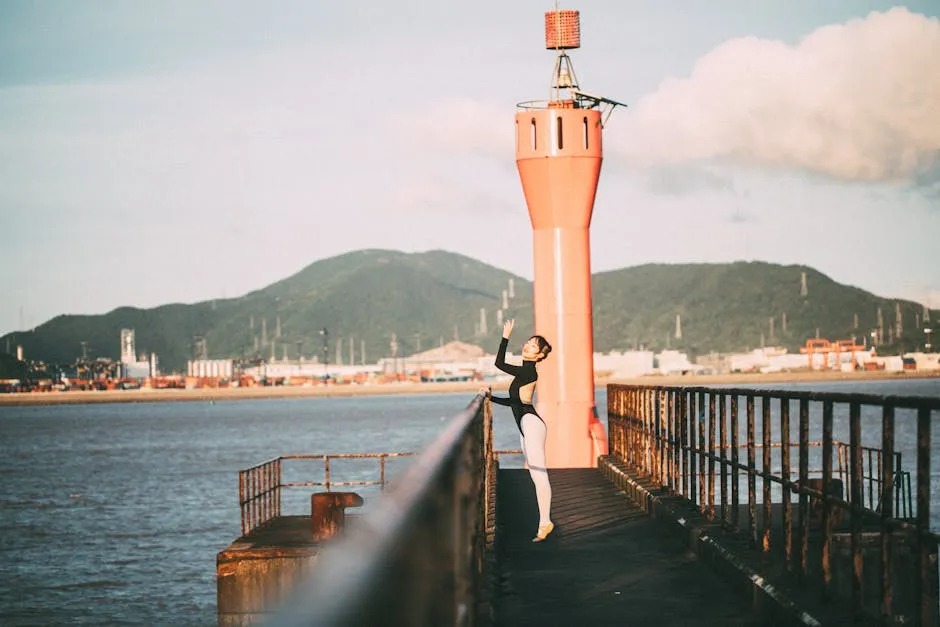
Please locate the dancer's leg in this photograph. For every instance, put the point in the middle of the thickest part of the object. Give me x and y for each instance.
(533, 430)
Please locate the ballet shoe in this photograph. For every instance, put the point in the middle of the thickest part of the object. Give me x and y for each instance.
(543, 532)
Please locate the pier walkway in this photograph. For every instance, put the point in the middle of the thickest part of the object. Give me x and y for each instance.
(606, 563)
(712, 507)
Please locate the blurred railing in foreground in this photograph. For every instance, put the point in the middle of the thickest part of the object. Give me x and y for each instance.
(684, 438)
(419, 556)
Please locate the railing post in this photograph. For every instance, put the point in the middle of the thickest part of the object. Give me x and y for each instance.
(280, 482)
(855, 442)
(688, 437)
(735, 480)
(887, 512)
(751, 477)
(637, 416)
(825, 503)
(711, 453)
(253, 490)
(672, 460)
(927, 549)
(620, 409)
(688, 447)
(700, 427)
(722, 428)
(269, 491)
(264, 496)
(326, 471)
(490, 475)
(648, 440)
(765, 481)
(804, 478)
(787, 478)
(660, 449)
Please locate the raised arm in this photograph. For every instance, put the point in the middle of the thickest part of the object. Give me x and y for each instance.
(501, 359)
(501, 353)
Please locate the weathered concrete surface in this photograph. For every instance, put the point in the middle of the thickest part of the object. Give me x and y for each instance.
(256, 573)
(606, 563)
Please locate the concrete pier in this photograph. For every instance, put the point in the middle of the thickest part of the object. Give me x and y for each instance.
(259, 571)
(256, 573)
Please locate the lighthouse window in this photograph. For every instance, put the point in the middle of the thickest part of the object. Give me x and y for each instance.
(561, 143)
(534, 141)
(585, 133)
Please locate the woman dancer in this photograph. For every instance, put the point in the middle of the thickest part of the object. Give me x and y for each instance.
(530, 424)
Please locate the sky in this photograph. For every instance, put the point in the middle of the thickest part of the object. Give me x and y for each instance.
(178, 151)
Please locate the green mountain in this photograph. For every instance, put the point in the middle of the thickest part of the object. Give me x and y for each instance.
(368, 295)
(740, 306)
(427, 298)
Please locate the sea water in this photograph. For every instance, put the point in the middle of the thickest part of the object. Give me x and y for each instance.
(114, 513)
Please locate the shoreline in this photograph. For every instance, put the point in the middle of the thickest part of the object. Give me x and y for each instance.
(389, 389)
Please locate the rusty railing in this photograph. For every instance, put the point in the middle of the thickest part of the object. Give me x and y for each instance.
(419, 556)
(259, 487)
(497, 455)
(872, 465)
(687, 438)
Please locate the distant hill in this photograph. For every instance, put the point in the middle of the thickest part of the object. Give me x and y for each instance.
(366, 295)
(728, 307)
(433, 297)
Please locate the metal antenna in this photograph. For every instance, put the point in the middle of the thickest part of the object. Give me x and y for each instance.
(563, 31)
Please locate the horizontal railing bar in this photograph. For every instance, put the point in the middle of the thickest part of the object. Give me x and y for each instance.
(347, 456)
(760, 472)
(261, 465)
(323, 456)
(314, 484)
(902, 402)
(813, 443)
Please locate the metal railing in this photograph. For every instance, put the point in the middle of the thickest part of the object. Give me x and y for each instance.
(259, 487)
(419, 556)
(686, 438)
(497, 455)
(871, 473)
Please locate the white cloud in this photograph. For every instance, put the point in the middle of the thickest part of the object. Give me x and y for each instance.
(854, 101)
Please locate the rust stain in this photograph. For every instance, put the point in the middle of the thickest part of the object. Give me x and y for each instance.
(226, 569)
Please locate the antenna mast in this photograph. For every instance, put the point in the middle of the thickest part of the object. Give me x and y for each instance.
(563, 33)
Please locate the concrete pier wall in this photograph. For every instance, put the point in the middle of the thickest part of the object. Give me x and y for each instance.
(255, 574)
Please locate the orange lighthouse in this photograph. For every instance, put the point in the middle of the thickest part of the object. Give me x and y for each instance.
(559, 154)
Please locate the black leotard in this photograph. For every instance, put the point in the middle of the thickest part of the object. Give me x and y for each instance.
(524, 375)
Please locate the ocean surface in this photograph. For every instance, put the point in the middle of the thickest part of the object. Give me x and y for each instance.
(114, 513)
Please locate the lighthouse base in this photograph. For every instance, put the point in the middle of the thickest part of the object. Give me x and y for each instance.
(576, 437)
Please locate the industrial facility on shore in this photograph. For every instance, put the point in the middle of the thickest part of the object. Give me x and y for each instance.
(451, 362)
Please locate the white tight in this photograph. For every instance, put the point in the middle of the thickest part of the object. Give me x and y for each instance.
(533, 447)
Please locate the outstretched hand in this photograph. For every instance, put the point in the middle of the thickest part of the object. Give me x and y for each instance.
(507, 328)
(484, 391)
